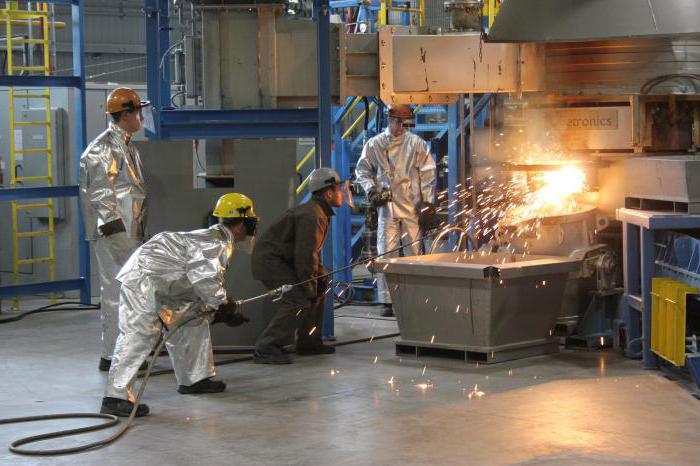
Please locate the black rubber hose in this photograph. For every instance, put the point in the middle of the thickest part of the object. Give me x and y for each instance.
(113, 420)
(51, 308)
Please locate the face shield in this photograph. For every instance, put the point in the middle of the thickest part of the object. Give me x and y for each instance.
(345, 189)
(405, 122)
(147, 119)
(247, 245)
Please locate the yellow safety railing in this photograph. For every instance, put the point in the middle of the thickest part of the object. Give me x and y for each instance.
(345, 135)
(386, 7)
(491, 10)
(668, 318)
(39, 18)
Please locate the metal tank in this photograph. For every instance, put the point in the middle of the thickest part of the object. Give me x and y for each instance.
(494, 307)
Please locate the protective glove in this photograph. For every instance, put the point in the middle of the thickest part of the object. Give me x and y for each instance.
(111, 228)
(427, 217)
(378, 199)
(229, 314)
(322, 285)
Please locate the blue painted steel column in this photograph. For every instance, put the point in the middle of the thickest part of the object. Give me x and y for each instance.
(452, 161)
(647, 270)
(163, 44)
(80, 139)
(321, 13)
(630, 316)
(154, 53)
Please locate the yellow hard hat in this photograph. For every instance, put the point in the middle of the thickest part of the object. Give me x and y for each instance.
(123, 98)
(234, 205)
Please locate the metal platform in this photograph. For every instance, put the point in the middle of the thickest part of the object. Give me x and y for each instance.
(499, 354)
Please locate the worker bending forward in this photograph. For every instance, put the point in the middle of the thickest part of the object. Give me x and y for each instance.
(289, 252)
(171, 277)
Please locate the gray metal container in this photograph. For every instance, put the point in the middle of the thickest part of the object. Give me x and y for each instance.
(494, 307)
(664, 178)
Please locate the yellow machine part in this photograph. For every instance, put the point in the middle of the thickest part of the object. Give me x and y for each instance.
(668, 311)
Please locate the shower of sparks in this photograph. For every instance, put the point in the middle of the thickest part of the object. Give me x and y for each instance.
(376, 358)
(312, 331)
(475, 392)
(457, 310)
(371, 339)
(432, 339)
(299, 312)
(391, 381)
(423, 371)
(424, 387)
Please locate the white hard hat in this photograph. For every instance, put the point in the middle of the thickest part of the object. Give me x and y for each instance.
(322, 178)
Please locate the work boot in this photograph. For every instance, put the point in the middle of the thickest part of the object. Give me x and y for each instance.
(387, 311)
(105, 364)
(315, 349)
(122, 408)
(271, 358)
(203, 386)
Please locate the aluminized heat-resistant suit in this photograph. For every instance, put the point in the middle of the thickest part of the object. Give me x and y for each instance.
(404, 165)
(171, 277)
(112, 197)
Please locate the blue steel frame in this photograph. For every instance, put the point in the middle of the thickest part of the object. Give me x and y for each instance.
(638, 230)
(239, 124)
(77, 82)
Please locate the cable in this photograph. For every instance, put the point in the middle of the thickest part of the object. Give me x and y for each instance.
(347, 316)
(275, 294)
(115, 71)
(653, 82)
(172, 99)
(51, 308)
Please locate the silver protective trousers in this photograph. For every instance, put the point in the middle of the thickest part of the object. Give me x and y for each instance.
(111, 253)
(189, 348)
(392, 233)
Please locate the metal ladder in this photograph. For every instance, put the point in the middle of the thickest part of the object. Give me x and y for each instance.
(38, 17)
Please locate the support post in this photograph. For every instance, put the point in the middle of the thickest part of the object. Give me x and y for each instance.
(80, 139)
(321, 14)
(647, 270)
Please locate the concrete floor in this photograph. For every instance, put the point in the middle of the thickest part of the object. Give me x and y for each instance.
(570, 408)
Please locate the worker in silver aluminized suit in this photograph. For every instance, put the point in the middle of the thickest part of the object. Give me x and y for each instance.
(397, 173)
(173, 276)
(112, 196)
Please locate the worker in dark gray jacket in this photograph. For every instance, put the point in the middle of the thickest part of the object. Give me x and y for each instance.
(289, 252)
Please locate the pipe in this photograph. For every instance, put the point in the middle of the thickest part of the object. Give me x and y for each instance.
(463, 233)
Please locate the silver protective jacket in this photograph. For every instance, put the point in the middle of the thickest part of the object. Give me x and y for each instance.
(181, 270)
(402, 164)
(111, 184)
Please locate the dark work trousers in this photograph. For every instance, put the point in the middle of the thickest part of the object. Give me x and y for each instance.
(295, 311)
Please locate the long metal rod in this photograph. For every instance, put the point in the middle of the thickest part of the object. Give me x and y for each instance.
(463, 157)
(472, 162)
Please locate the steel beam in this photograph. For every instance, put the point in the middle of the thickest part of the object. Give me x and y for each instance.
(238, 124)
(42, 288)
(14, 194)
(40, 81)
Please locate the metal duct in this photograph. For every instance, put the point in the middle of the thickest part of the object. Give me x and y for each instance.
(583, 20)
